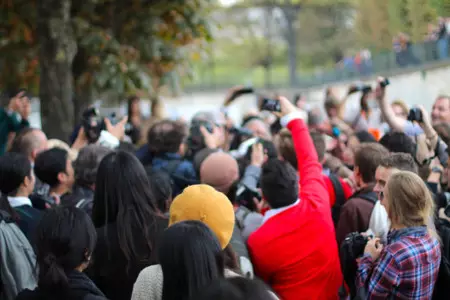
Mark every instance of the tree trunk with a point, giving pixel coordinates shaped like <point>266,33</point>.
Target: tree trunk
<point>291,15</point>
<point>56,53</point>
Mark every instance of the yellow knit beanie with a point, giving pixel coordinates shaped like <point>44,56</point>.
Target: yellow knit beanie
<point>203,203</point>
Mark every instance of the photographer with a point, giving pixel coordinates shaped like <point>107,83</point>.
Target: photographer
<point>440,114</point>
<point>15,117</point>
<point>407,266</point>
<point>300,211</point>
<point>97,130</point>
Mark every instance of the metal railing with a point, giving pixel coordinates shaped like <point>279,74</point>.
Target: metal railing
<point>414,57</point>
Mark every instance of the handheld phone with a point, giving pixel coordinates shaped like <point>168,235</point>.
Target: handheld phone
<point>271,105</point>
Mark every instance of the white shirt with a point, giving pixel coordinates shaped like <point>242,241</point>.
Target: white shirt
<point>19,201</point>
<point>273,212</point>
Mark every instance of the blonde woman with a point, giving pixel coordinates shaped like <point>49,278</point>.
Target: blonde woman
<point>407,266</point>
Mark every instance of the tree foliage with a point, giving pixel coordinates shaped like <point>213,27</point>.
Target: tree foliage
<point>123,46</point>
<point>378,21</point>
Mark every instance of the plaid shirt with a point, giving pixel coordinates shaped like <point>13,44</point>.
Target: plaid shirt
<point>407,268</point>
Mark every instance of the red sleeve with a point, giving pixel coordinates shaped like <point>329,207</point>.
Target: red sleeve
<point>312,186</point>
<point>348,190</point>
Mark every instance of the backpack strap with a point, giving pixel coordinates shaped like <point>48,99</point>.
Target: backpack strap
<point>339,196</point>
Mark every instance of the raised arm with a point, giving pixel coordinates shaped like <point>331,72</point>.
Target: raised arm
<point>312,186</point>
<point>396,123</point>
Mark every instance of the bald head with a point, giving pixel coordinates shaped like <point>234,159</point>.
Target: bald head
<point>30,142</point>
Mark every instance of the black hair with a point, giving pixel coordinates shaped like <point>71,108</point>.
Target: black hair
<point>161,187</point>
<point>66,239</point>
<point>49,164</point>
<point>130,101</point>
<point>237,288</point>
<point>191,259</point>
<point>398,142</point>
<point>14,167</point>
<point>279,183</point>
<point>123,196</point>
<point>166,137</point>
<point>364,136</point>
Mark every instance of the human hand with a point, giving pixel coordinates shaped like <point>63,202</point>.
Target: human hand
<point>260,205</point>
<point>380,91</point>
<point>25,108</point>
<point>258,157</point>
<point>373,248</point>
<point>81,140</point>
<point>15,102</point>
<point>212,140</point>
<point>117,130</point>
<point>287,106</point>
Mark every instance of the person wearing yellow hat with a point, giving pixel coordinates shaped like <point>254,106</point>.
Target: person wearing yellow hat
<point>196,203</point>
<point>203,203</point>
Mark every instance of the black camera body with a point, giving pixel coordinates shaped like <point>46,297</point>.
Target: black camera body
<point>93,124</point>
<point>245,196</point>
<point>415,115</point>
<point>270,105</point>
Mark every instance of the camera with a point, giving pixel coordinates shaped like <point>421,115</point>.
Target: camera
<point>195,141</point>
<point>245,196</point>
<point>385,82</point>
<point>415,114</point>
<point>93,124</point>
<point>270,105</point>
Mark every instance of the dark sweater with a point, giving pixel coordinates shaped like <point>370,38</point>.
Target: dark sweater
<point>110,270</point>
<point>29,218</point>
<point>80,288</point>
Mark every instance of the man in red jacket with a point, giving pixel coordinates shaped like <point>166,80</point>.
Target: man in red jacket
<point>295,249</point>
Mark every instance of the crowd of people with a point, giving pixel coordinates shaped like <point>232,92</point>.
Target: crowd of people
<point>295,204</point>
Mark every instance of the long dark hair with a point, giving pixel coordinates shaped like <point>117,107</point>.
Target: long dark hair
<point>237,288</point>
<point>130,102</point>
<point>66,239</point>
<point>123,196</point>
<point>14,167</point>
<point>191,258</point>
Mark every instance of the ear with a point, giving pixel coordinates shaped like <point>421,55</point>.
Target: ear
<point>34,154</point>
<point>26,181</point>
<point>181,149</point>
<point>62,177</point>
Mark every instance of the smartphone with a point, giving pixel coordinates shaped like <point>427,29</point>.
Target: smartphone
<point>270,105</point>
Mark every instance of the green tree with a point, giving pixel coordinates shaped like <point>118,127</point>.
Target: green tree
<point>74,51</point>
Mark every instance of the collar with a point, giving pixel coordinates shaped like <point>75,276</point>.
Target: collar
<point>273,212</point>
<point>19,201</point>
<point>396,235</point>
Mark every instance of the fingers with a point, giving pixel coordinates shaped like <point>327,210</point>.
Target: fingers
<point>107,123</point>
<point>124,120</point>
<point>204,131</point>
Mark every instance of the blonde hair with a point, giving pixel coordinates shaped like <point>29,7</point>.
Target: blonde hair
<point>403,106</point>
<point>409,201</point>
<point>54,143</point>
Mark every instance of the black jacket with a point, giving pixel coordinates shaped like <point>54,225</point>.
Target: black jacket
<point>110,270</point>
<point>80,193</point>
<point>80,288</point>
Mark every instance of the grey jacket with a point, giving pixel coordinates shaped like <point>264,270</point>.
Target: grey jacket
<point>17,260</point>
